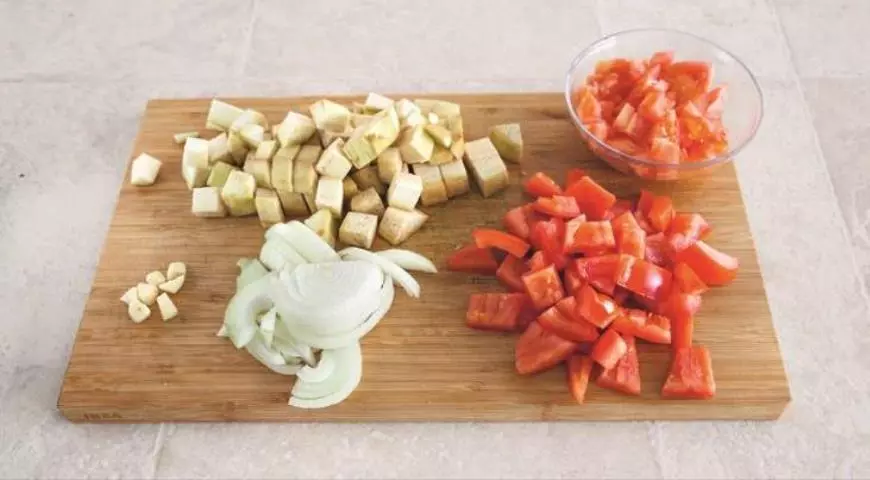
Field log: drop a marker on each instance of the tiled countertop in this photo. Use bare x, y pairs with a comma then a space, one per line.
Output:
75, 78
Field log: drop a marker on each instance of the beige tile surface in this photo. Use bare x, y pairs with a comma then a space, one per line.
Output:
747, 28
74, 81
828, 38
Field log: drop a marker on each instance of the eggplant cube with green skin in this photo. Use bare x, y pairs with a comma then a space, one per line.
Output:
266, 150
269, 207
416, 146
368, 178
455, 178
332, 162
409, 113
486, 166
249, 117
440, 135
221, 115
295, 129
261, 171
367, 201
442, 108
238, 148
323, 223
330, 195
206, 202
508, 141
369, 140
194, 162
405, 191
327, 137
350, 187
238, 194
219, 150
358, 229
304, 175
398, 225
330, 116
389, 164
441, 155
434, 191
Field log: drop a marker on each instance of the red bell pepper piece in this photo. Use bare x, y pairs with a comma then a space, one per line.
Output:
624, 376
538, 350
491, 238
471, 259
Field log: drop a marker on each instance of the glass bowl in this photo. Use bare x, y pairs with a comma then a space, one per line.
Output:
743, 106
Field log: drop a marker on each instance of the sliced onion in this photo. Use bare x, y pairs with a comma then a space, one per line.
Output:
271, 359
319, 372
251, 270
304, 240
408, 260
278, 255
329, 297
242, 311
267, 326
400, 276
338, 340
343, 380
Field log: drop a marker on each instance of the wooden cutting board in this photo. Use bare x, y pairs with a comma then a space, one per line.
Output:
421, 363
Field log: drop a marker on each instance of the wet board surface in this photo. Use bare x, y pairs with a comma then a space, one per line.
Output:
421, 363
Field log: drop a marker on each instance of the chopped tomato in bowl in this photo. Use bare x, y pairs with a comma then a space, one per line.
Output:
662, 104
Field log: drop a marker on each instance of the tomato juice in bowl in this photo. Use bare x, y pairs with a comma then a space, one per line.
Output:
662, 104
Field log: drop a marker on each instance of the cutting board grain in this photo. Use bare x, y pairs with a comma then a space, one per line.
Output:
421, 363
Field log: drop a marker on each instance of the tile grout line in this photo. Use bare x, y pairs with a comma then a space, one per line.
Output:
249, 39
157, 449
844, 227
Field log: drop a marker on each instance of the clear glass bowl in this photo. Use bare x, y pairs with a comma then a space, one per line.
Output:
743, 101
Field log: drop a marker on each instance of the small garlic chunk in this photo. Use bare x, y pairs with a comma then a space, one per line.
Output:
168, 310
172, 286
146, 293
138, 311
175, 270
155, 278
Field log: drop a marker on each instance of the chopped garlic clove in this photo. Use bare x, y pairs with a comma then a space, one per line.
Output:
168, 310
175, 270
440, 134
129, 296
138, 311
146, 293
155, 278
144, 170
173, 286
379, 102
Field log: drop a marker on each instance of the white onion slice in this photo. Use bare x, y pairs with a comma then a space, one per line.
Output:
343, 380
328, 297
270, 359
278, 255
319, 372
243, 309
343, 339
267, 326
304, 240
408, 260
251, 270
400, 276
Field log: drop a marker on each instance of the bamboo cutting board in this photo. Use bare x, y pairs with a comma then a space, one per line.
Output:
421, 363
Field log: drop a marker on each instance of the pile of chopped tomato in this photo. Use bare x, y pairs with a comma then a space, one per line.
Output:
663, 110
590, 275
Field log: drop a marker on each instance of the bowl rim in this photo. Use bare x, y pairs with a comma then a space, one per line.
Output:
650, 163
